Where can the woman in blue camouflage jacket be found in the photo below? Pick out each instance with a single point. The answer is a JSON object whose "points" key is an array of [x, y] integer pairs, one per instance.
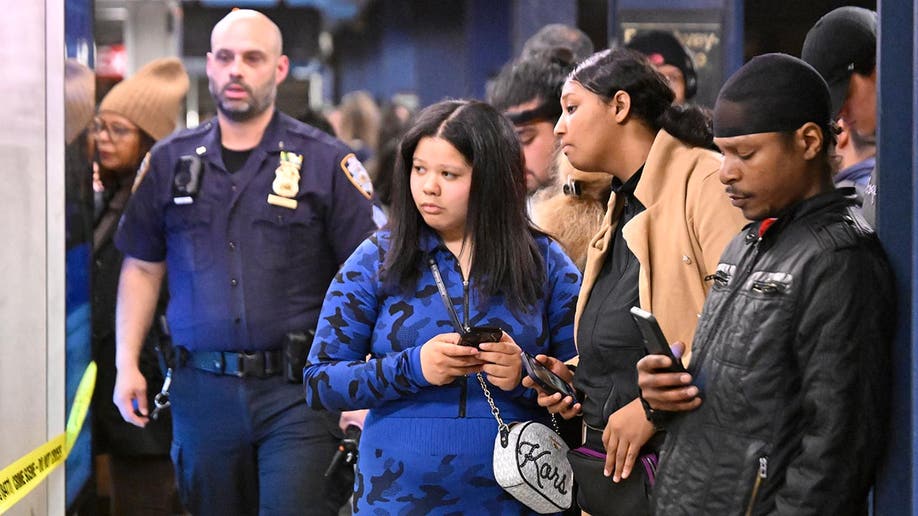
{"points": [[458, 201]]}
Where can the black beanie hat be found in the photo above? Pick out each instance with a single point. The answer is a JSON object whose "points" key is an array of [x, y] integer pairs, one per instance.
{"points": [[663, 48], [771, 93]]}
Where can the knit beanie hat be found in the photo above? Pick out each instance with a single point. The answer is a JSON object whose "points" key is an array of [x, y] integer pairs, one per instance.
{"points": [[79, 98], [772, 93], [151, 97], [663, 48]]}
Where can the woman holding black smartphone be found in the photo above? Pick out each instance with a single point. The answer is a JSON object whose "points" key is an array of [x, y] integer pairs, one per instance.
{"points": [[667, 222], [458, 219]]}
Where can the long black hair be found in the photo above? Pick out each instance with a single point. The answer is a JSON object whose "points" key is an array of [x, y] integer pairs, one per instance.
{"points": [[505, 257], [609, 71]]}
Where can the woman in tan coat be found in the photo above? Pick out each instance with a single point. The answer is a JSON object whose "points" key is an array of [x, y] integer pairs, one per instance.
{"points": [[667, 222]]}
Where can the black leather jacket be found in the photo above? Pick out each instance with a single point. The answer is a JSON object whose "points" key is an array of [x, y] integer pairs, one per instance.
{"points": [[792, 360]]}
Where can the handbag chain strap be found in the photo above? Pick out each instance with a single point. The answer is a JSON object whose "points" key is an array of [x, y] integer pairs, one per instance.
{"points": [[503, 428]]}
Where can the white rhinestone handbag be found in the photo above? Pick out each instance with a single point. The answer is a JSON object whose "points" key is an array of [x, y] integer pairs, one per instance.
{"points": [[530, 462]]}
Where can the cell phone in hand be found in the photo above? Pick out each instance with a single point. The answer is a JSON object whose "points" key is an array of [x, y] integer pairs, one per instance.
{"points": [[478, 334], [654, 341], [545, 378]]}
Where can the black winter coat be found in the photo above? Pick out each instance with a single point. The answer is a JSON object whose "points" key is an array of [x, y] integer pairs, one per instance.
{"points": [[112, 433], [791, 358]]}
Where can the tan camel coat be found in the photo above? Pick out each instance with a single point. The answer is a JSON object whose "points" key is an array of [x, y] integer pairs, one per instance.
{"points": [[677, 239]]}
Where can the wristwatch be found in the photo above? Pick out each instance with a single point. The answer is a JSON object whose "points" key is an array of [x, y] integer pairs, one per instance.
{"points": [[658, 418]]}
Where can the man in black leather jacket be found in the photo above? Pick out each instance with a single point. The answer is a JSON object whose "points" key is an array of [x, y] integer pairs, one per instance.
{"points": [[784, 405]]}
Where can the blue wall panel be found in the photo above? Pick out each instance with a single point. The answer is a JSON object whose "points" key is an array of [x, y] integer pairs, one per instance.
{"points": [[489, 41], [896, 218], [670, 4], [78, 39], [398, 61], [441, 52], [438, 49], [531, 15]]}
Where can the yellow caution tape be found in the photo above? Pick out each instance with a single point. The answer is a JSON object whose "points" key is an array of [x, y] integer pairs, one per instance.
{"points": [[22, 476]]}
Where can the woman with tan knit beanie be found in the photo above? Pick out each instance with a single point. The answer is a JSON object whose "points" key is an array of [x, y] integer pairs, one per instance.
{"points": [[135, 114], [131, 118]]}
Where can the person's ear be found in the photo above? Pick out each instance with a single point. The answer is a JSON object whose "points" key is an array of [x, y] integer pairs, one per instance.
{"points": [[283, 67], [810, 140], [621, 106], [843, 138]]}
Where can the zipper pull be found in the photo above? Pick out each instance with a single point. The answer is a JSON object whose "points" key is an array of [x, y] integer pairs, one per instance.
{"points": [[763, 474], [718, 277]]}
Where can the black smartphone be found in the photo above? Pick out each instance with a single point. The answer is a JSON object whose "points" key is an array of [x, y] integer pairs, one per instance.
{"points": [[654, 341], [478, 334], [545, 378]]}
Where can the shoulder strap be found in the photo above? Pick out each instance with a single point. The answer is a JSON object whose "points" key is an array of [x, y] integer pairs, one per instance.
{"points": [[109, 221], [444, 296]]}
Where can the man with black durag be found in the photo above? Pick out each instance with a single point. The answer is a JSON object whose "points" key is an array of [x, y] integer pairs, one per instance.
{"points": [[783, 407]]}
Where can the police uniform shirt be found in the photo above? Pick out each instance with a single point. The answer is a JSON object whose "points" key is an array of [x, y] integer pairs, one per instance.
{"points": [[248, 261]]}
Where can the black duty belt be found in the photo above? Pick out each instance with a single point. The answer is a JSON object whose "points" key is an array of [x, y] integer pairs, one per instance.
{"points": [[258, 364]]}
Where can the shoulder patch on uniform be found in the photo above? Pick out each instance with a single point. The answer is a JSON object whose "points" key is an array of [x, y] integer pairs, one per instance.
{"points": [[141, 172], [358, 175]]}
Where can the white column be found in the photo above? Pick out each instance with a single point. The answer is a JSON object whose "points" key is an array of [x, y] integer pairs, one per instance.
{"points": [[151, 31], [32, 236]]}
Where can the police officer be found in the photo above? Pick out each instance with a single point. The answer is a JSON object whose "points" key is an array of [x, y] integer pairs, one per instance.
{"points": [[251, 214]]}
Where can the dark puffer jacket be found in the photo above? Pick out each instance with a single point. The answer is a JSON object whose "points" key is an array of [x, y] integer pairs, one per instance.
{"points": [[792, 361]]}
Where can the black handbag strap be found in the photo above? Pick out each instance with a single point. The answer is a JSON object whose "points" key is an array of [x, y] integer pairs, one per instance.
{"points": [[447, 302], [109, 221]]}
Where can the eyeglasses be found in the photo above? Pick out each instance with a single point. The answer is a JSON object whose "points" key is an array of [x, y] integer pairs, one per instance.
{"points": [[115, 131]]}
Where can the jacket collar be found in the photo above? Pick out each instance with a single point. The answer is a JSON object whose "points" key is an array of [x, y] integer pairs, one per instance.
{"points": [[858, 172], [628, 187], [831, 200], [665, 150], [429, 241], [271, 140]]}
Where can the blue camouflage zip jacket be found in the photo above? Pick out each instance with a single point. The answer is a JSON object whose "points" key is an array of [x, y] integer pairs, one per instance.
{"points": [[427, 449]]}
